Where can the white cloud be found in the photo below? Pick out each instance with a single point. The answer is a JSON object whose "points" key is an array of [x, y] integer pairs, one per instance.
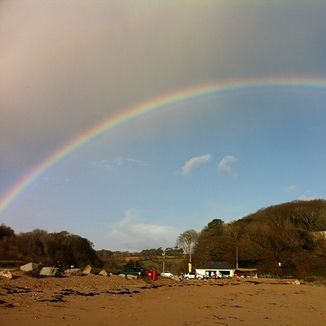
{"points": [[122, 161], [224, 165], [103, 164], [139, 162], [291, 188], [188, 167], [119, 161], [129, 234], [306, 198]]}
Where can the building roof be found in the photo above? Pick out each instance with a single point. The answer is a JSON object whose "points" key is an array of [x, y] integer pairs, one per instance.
{"points": [[319, 230], [215, 265]]}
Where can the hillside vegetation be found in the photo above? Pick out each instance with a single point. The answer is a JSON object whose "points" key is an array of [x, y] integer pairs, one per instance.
{"points": [[46, 248], [278, 240]]}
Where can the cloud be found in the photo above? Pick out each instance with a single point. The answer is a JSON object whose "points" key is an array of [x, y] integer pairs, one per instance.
{"points": [[305, 198], [224, 165], [122, 161], [132, 235], [188, 167], [139, 162], [105, 164], [119, 161], [291, 188]]}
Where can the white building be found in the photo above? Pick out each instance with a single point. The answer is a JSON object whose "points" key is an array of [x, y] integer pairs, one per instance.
{"points": [[216, 269]]}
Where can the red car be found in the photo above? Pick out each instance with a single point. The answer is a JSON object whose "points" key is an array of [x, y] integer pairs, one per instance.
{"points": [[148, 272]]}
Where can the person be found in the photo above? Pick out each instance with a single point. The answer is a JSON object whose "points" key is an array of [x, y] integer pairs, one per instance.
{"points": [[58, 265]]}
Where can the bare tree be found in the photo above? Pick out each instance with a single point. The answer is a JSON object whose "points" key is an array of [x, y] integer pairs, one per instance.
{"points": [[188, 241]]}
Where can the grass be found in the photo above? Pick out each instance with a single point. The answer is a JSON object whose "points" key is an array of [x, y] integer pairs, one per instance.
{"points": [[158, 264]]}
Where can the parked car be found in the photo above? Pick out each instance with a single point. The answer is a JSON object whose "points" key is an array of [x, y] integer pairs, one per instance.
{"points": [[148, 272], [166, 274], [193, 275], [135, 271]]}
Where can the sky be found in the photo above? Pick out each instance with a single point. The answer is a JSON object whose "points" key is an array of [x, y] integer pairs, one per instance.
{"points": [[130, 122]]}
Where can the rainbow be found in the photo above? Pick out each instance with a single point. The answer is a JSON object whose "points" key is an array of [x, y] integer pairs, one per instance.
{"points": [[156, 104]]}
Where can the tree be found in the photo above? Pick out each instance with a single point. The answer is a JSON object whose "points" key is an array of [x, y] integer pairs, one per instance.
{"points": [[208, 245], [188, 241], [7, 238], [215, 227], [6, 231]]}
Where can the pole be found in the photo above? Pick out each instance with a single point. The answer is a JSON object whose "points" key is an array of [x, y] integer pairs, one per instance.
{"points": [[163, 254]]}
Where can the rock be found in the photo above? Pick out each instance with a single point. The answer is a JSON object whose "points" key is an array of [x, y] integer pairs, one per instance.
{"points": [[177, 278], [129, 277], [30, 267], [6, 273], [103, 273], [296, 282], [87, 270], [73, 271], [50, 271]]}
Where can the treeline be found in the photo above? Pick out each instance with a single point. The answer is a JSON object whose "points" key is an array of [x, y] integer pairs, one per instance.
{"points": [[278, 240], [147, 253], [66, 248], [123, 259], [47, 248]]}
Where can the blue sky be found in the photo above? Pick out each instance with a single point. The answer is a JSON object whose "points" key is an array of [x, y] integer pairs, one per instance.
{"points": [[69, 65]]}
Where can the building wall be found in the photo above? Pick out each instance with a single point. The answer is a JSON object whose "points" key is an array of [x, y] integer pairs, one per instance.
{"points": [[320, 234], [212, 271]]}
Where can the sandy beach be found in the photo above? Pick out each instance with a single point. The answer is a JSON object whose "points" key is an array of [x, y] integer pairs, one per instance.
{"points": [[113, 300]]}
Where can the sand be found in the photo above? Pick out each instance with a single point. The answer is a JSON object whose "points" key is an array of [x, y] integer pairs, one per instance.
{"points": [[112, 300]]}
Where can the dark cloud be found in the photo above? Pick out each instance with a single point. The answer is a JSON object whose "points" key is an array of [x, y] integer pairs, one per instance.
{"points": [[66, 66]]}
